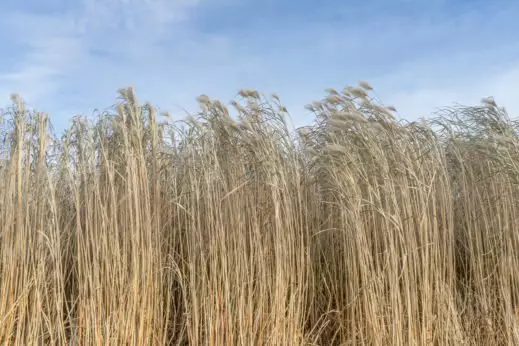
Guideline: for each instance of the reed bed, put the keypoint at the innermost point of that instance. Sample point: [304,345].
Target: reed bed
[230,228]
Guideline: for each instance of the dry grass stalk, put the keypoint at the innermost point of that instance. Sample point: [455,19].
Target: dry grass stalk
[360,230]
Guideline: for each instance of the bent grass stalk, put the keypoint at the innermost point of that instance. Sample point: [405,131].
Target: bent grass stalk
[229,228]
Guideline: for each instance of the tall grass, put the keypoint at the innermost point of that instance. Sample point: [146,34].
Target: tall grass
[229,228]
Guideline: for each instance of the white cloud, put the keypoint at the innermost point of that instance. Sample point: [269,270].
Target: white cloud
[77,60]
[133,15]
[61,50]
[420,90]
[50,53]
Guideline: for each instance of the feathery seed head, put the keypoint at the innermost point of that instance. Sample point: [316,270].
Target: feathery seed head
[315,106]
[238,107]
[382,110]
[221,107]
[339,124]
[347,90]
[332,91]
[303,132]
[366,103]
[204,99]
[360,93]
[15,98]
[365,85]
[334,99]
[249,93]
[349,116]
[489,101]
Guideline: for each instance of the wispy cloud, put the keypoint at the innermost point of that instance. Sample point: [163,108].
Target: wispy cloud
[132,16]
[419,55]
[427,97]
[97,44]
[46,48]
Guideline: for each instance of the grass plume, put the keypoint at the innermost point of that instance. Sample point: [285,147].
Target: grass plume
[229,228]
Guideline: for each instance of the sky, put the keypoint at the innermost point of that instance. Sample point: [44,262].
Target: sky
[69,57]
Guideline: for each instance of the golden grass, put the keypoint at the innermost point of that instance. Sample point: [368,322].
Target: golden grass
[228,228]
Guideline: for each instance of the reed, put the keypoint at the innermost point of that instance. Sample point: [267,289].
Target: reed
[230,228]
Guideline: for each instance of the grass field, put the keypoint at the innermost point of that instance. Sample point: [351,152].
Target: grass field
[228,228]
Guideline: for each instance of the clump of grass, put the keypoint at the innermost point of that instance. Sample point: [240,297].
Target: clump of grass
[230,228]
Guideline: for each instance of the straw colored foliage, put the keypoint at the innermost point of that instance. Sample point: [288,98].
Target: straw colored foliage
[230,228]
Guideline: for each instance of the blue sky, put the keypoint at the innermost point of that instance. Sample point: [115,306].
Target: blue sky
[70,57]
